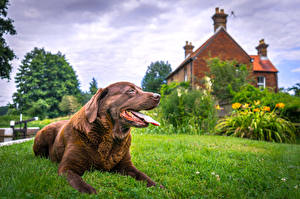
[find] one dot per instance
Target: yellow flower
(236, 105)
(256, 110)
(266, 108)
(280, 105)
(257, 102)
(245, 105)
(218, 107)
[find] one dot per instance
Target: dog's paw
(151, 184)
(87, 189)
(161, 186)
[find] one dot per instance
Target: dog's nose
(156, 96)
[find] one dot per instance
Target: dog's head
(120, 103)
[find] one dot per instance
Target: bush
(188, 111)
(167, 89)
(227, 76)
(250, 93)
(69, 104)
(257, 122)
(291, 110)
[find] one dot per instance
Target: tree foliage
(84, 97)
(155, 76)
(42, 80)
(38, 108)
(226, 77)
(6, 53)
(93, 86)
(69, 104)
(296, 89)
(3, 110)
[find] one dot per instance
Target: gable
(221, 45)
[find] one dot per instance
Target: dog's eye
(131, 91)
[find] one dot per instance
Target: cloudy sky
(114, 40)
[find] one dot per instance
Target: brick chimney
(188, 49)
(219, 18)
(262, 48)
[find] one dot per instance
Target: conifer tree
(42, 80)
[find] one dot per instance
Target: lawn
(189, 166)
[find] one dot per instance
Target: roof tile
(263, 65)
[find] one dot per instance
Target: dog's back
(45, 138)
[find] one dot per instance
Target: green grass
(42, 123)
(187, 165)
(5, 121)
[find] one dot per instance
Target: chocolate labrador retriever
(98, 135)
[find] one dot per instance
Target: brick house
(223, 46)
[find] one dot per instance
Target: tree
(3, 110)
(155, 76)
(69, 104)
(227, 76)
(93, 86)
(6, 54)
(46, 77)
(84, 97)
(38, 109)
(296, 89)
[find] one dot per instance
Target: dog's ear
(91, 108)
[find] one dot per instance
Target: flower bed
(258, 122)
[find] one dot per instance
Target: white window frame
(185, 74)
(261, 84)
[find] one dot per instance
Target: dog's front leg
(138, 175)
(73, 169)
(125, 167)
(77, 182)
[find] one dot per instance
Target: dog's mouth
(138, 119)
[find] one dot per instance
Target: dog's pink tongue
(147, 118)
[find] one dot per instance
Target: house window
(185, 75)
(261, 82)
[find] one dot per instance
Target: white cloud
(296, 70)
(115, 41)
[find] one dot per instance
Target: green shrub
(250, 93)
(166, 89)
(69, 104)
(227, 76)
(188, 111)
(257, 122)
(291, 110)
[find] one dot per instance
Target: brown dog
(98, 135)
